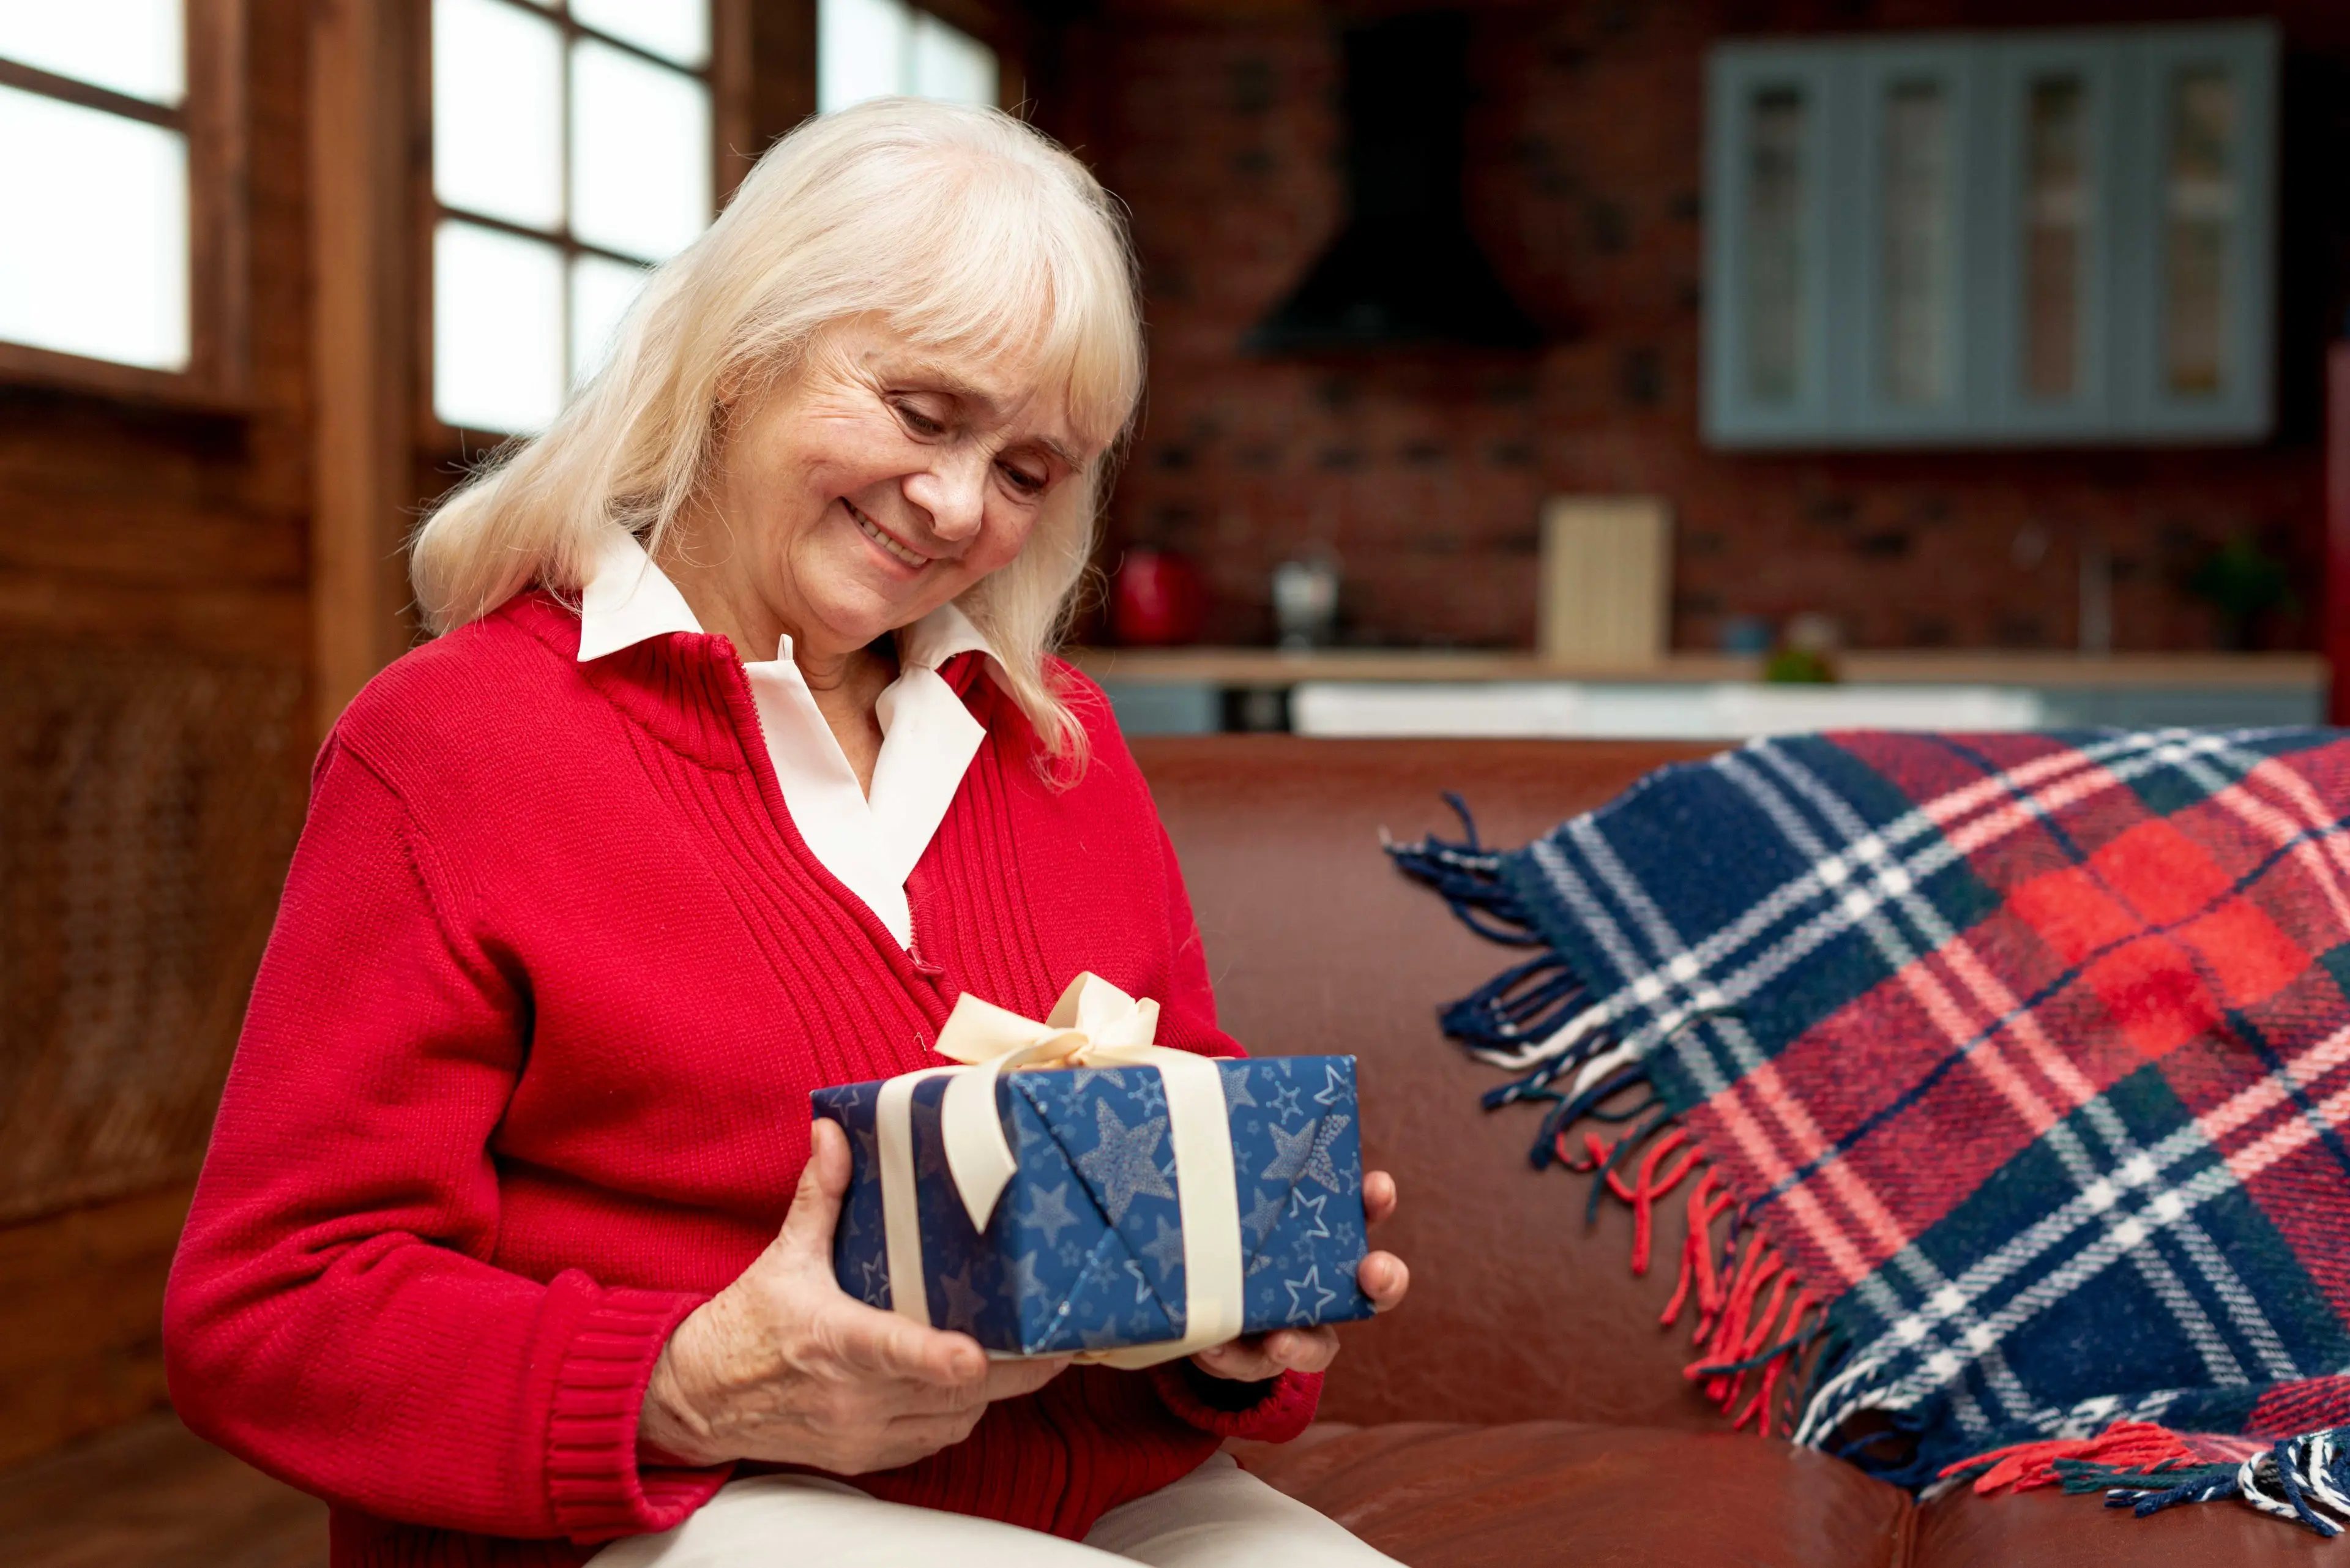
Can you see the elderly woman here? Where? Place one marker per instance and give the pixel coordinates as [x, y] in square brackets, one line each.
[739, 758]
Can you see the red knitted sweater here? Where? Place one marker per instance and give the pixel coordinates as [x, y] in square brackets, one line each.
[525, 1080]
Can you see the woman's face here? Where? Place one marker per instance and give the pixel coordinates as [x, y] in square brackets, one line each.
[884, 480]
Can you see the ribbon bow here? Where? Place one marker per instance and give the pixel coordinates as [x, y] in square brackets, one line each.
[1094, 1024]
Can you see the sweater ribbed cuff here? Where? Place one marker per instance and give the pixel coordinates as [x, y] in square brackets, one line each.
[595, 1484]
[1285, 1410]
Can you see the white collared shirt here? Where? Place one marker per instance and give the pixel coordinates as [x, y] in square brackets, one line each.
[928, 737]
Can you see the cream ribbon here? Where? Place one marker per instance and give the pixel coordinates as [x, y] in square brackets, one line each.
[1094, 1024]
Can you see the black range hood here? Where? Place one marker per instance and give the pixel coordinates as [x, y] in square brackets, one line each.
[1403, 272]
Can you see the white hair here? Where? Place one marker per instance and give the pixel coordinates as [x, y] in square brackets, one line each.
[963, 229]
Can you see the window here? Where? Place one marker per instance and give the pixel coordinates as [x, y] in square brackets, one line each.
[871, 48]
[114, 263]
[572, 150]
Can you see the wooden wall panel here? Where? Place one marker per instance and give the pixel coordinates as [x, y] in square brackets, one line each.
[81, 1301]
[145, 797]
[154, 652]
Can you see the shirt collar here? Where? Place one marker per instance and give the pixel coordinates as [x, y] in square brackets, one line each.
[627, 599]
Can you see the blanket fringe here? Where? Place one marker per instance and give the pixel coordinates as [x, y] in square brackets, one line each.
[1756, 1323]
[1760, 1333]
[2146, 1467]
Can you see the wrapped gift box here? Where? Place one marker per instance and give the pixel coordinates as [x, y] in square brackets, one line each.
[1084, 1250]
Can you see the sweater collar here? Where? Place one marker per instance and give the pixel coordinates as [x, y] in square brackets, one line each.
[629, 599]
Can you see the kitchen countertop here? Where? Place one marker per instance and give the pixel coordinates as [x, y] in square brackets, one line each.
[1246, 666]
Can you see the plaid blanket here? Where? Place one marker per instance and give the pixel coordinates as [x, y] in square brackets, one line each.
[2004, 1081]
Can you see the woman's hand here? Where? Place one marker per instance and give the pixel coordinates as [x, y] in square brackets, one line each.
[1257, 1357]
[784, 1367]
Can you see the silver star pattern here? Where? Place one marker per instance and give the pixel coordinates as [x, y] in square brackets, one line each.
[875, 1272]
[1261, 1220]
[963, 1304]
[1319, 1168]
[1048, 1210]
[1300, 1289]
[1303, 1205]
[1305, 1154]
[929, 1153]
[1152, 1094]
[1236, 1089]
[1084, 1076]
[1025, 1280]
[1291, 1152]
[1334, 1090]
[1285, 1102]
[1125, 1165]
[1166, 1249]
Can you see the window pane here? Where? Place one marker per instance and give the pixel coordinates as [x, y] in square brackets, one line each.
[601, 292]
[861, 50]
[2056, 219]
[674, 29]
[2199, 208]
[639, 153]
[94, 254]
[134, 47]
[1775, 185]
[950, 65]
[1918, 273]
[497, 111]
[497, 329]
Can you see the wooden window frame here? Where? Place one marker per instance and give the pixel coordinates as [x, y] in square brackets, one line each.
[727, 75]
[212, 117]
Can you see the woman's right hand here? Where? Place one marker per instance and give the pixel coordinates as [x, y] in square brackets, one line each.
[784, 1367]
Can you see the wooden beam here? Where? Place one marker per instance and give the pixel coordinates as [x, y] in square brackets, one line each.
[780, 88]
[360, 105]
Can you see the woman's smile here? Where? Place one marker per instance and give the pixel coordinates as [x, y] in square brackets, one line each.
[897, 550]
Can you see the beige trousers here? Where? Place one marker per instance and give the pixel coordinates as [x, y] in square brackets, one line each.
[1219, 1516]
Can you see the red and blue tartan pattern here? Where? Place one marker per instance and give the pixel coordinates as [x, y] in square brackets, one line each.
[2030, 1053]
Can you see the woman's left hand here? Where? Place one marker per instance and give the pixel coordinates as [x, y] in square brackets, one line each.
[1257, 1357]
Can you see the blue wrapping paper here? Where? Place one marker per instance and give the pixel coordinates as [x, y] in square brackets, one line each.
[1085, 1249]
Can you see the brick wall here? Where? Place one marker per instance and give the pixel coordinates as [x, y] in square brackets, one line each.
[1217, 124]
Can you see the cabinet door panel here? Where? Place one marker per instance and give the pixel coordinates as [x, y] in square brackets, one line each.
[2049, 214]
[1769, 272]
[2202, 118]
[1915, 119]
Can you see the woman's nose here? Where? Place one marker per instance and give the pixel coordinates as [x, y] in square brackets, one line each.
[954, 494]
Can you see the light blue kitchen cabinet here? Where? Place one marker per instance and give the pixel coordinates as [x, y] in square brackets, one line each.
[1991, 239]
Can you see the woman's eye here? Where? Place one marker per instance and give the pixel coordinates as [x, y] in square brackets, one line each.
[919, 422]
[1023, 480]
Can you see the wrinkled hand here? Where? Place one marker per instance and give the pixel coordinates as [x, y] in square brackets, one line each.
[784, 1366]
[1257, 1357]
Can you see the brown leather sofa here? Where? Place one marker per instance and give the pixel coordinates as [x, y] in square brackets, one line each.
[1524, 1408]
